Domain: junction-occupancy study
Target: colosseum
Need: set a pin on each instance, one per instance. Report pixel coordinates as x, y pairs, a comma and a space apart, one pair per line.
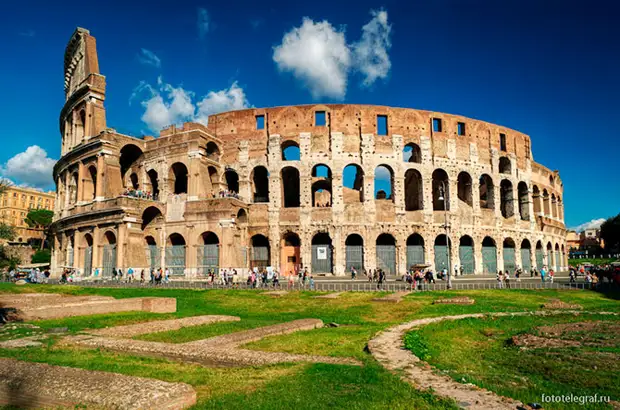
323, 187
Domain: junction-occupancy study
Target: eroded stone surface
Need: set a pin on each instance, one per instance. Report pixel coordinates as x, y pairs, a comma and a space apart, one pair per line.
392, 297
558, 304
454, 301
329, 296
128, 331
38, 385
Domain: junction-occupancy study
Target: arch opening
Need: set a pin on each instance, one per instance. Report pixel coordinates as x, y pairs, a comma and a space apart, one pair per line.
260, 179
442, 252
505, 165
178, 176
489, 256
321, 186
414, 194
232, 181
384, 183
130, 155
415, 250
322, 253
353, 184
487, 194
412, 153
509, 252
354, 249
386, 253
290, 260
466, 255
260, 255
290, 151
524, 201
465, 188
175, 254
290, 187
441, 190
507, 200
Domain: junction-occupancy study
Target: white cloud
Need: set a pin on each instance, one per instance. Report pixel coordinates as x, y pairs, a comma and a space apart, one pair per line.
371, 52
593, 224
318, 55
149, 58
30, 168
168, 105
27, 33
203, 22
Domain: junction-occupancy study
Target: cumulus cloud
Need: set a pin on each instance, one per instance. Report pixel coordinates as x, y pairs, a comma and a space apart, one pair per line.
371, 52
593, 224
203, 22
166, 104
318, 55
149, 58
31, 168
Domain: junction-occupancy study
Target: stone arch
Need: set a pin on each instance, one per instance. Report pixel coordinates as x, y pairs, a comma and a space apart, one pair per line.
322, 253
540, 255
232, 180
73, 188
537, 200
546, 204
129, 155
354, 252
260, 184
353, 184
178, 177
208, 252
242, 216
509, 252
465, 188
489, 255
506, 199
176, 248
290, 187
321, 186
557, 258
412, 153
154, 183
505, 166
441, 190
290, 151
134, 181
442, 250
551, 180
414, 194
487, 194
466, 255
90, 189
384, 182
415, 250
290, 260
109, 238
549, 256
524, 201
214, 179
386, 253
554, 206
88, 254
109, 252
526, 255
260, 252
152, 215
213, 151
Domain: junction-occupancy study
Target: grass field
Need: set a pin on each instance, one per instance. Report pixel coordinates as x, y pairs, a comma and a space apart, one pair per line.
300, 386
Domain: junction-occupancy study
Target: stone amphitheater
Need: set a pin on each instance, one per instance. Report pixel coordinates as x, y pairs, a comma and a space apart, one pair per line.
317, 187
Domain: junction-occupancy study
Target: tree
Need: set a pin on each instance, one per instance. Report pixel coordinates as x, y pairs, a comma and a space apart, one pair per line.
40, 218
610, 233
41, 256
6, 231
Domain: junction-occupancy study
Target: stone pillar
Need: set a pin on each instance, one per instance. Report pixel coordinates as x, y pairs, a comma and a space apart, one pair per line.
453, 195
518, 261
121, 246
96, 250
101, 165
399, 191
339, 255
499, 247
478, 264
475, 196
455, 260
401, 258
515, 202
427, 192
81, 182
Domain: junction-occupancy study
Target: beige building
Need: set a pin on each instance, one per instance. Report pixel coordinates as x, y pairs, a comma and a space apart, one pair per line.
321, 187
15, 203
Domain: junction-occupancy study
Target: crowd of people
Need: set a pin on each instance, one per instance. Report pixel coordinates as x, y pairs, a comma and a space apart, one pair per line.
138, 193
33, 275
226, 193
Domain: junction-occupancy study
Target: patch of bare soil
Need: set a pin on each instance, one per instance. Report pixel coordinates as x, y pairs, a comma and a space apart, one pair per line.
558, 304
455, 301
531, 341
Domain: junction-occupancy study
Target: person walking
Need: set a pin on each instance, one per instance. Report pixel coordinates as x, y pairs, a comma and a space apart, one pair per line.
130, 275
507, 279
543, 273
500, 279
142, 276
551, 275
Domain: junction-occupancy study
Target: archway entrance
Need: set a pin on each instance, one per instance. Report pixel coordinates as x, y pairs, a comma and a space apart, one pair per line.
510, 262
88, 255
175, 254
540, 256
354, 252
209, 253
290, 254
322, 253
489, 256
153, 254
441, 252
109, 254
526, 256
466, 255
260, 255
415, 250
386, 253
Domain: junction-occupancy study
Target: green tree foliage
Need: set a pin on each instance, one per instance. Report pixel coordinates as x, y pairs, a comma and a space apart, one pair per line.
40, 218
610, 233
7, 260
42, 256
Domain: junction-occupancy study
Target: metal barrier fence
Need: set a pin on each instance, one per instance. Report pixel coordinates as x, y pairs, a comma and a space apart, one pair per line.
352, 286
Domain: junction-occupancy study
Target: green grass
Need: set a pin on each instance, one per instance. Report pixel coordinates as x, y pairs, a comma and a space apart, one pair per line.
593, 261
300, 386
479, 351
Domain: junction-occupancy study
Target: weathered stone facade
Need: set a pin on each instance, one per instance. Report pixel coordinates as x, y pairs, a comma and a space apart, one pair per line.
306, 212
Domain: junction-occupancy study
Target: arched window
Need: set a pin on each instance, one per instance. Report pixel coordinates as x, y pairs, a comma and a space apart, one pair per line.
91, 191
130, 155
412, 153
260, 179
178, 176
260, 255
152, 174
232, 180
504, 165
524, 201
290, 187
290, 151
466, 255
133, 179
353, 184
354, 245
213, 151
384, 182
546, 204
510, 262
507, 200
321, 186
441, 190
554, 206
386, 253
242, 216
73, 188
414, 195
464, 188
151, 216
486, 192
537, 200
322, 253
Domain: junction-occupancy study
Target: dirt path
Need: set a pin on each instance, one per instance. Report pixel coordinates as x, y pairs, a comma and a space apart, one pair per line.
387, 347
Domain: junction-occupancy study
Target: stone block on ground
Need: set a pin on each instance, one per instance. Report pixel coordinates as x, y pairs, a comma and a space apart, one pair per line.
38, 385
128, 331
558, 304
159, 305
454, 301
329, 296
392, 297
276, 293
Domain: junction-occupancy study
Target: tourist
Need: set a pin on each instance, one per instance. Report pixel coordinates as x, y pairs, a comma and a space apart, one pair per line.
380, 279
375, 275
428, 276
235, 279
551, 275
129, 274
120, 275
114, 274
500, 279
167, 276
588, 279
291, 280
353, 273
518, 273
96, 273
142, 276
507, 279
311, 283
542, 274
572, 276
152, 281
276, 279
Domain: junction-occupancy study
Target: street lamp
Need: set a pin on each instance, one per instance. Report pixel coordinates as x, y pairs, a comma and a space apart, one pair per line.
442, 197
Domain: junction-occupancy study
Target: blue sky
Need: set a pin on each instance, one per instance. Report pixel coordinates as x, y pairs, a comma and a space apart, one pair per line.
546, 68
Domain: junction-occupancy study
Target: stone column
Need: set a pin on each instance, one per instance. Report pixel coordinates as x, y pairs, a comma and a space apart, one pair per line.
401, 258
515, 202
121, 246
81, 182
455, 259
399, 191
518, 261
499, 247
478, 264
96, 251
101, 165
475, 196
427, 192
339, 256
